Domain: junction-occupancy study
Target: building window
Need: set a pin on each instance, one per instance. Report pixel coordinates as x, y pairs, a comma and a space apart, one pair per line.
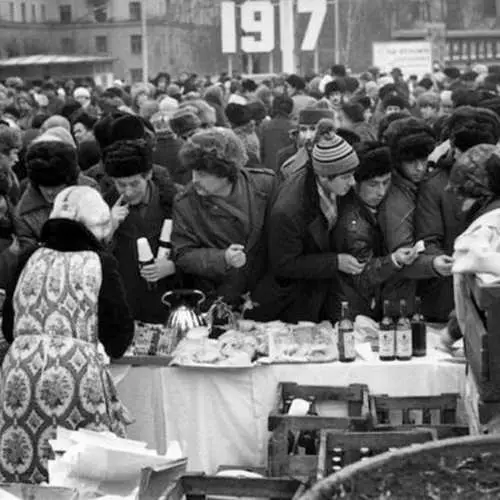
135, 11
23, 12
136, 44
68, 45
33, 13
65, 13
101, 44
490, 8
136, 75
43, 13
12, 12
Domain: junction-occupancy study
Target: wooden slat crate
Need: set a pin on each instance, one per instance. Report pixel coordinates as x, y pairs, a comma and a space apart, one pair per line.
280, 463
200, 486
160, 482
480, 324
338, 449
438, 413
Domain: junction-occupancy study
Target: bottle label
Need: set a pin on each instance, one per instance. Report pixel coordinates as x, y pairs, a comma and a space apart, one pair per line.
386, 344
403, 344
349, 349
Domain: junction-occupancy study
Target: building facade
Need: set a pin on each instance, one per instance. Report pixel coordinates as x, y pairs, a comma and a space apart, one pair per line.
182, 35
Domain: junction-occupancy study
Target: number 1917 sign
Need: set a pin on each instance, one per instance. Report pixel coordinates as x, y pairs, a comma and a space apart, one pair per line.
257, 24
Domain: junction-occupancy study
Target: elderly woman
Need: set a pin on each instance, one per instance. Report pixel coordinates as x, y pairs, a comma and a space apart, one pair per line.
218, 222
67, 305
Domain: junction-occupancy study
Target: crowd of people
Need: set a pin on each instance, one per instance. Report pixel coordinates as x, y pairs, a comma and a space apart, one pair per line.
302, 192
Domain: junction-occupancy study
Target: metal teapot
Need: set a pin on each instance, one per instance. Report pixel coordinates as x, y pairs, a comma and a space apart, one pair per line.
184, 311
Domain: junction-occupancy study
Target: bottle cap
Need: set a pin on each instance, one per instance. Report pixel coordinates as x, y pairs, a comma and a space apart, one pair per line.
144, 250
166, 230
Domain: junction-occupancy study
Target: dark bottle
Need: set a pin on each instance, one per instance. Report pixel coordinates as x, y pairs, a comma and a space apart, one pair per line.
403, 334
387, 336
307, 441
418, 331
346, 346
221, 318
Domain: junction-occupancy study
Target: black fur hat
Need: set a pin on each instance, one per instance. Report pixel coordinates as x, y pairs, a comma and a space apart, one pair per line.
374, 161
238, 114
127, 127
125, 158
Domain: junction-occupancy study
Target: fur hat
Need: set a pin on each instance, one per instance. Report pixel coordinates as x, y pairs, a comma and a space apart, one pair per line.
238, 114
127, 127
51, 161
333, 157
56, 121
311, 116
125, 158
374, 161
70, 109
81, 92
431, 99
183, 122
395, 100
409, 139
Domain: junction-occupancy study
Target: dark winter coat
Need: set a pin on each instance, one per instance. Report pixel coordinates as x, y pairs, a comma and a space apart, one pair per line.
275, 135
203, 230
358, 233
397, 221
144, 301
439, 220
303, 264
166, 155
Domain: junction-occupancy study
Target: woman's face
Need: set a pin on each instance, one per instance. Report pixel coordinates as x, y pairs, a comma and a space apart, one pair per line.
206, 184
338, 185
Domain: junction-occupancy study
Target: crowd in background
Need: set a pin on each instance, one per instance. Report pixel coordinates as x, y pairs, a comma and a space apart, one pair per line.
289, 195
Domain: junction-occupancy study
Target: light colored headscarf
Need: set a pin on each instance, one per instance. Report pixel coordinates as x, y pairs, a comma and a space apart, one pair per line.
85, 205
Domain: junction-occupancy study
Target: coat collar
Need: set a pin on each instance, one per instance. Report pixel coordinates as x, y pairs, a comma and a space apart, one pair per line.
32, 201
67, 235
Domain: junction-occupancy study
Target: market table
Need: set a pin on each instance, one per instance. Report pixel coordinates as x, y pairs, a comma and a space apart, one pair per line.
220, 415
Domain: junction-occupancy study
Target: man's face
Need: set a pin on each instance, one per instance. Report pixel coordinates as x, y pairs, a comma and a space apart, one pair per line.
392, 109
336, 98
446, 108
428, 112
338, 185
374, 190
83, 100
80, 132
305, 134
415, 170
206, 184
133, 188
49, 193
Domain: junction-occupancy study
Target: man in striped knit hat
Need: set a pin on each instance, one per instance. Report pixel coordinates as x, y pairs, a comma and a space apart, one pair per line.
303, 259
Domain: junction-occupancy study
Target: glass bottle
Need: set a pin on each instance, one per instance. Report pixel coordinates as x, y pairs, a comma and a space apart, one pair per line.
308, 440
403, 334
347, 351
387, 336
418, 331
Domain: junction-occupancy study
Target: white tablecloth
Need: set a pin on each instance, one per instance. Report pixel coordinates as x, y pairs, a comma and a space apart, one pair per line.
220, 415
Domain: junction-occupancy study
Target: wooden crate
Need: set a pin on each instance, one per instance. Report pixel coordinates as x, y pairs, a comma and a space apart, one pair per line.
159, 482
438, 413
280, 463
480, 324
200, 486
338, 449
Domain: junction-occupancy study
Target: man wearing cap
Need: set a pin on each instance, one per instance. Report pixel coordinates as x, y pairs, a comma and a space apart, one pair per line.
293, 157
303, 259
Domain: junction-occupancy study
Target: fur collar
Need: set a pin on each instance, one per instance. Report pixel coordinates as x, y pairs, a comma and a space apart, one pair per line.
67, 235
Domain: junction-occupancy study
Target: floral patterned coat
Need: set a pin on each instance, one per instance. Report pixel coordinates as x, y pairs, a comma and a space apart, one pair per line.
68, 303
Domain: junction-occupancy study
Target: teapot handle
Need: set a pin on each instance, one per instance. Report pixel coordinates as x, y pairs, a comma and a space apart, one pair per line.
184, 293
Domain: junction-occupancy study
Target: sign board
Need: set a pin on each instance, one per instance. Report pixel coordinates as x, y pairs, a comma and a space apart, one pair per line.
413, 58
254, 29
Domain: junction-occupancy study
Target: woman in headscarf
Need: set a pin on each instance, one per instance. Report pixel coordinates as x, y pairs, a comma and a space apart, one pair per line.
66, 312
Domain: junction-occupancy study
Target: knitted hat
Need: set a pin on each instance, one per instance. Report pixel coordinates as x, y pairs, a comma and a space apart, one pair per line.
125, 158
52, 162
184, 121
311, 116
238, 114
333, 157
56, 121
56, 134
409, 139
476, 173
374, 161
81, 92
169, 105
